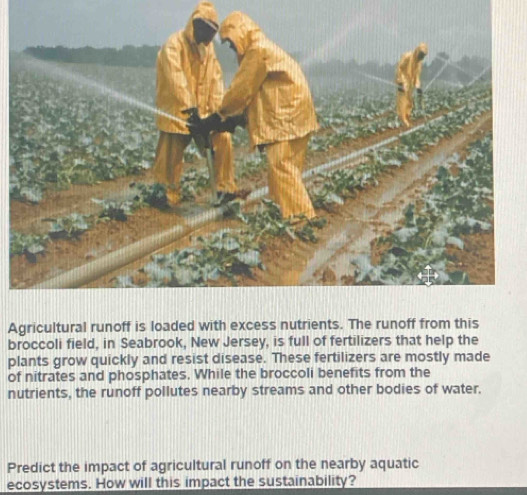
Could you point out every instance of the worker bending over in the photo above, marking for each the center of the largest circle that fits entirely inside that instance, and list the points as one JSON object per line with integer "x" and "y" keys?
{"x": 408, "y": 78}
{"x": 271, "y": 90}
{"x": 189, "y": 77}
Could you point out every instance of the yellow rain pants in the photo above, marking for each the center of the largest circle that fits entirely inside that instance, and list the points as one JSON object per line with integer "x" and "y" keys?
{"x": 168, "y": 164}
{"x": 405, "y": 105}
{"x": 286, "y": 161}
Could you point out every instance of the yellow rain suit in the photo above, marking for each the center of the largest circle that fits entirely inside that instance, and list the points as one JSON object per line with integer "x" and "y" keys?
{"x": 272, "y": 89}
{"x": 189, "y": 75}
{"x": 408, "y": 76}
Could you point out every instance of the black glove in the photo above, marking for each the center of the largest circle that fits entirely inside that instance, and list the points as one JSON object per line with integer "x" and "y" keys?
{"x": 419, "y": 92}
{"x": 199, "y": 127}
{"x": 230, "y": 123}
{"x": 209, "y": 124}
{"x": 194, "y": 120}
{"x": 400, "y": 88}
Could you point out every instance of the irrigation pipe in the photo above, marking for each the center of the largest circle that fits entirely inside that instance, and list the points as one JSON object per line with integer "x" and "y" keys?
{"x": 96, "y": 269}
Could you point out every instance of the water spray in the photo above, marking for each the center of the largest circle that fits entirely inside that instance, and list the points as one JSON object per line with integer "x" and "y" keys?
{"x": 455, "y": 66}
{"x": 481, "y": 74}
{"x": 333, "y": 43}
{"x": 375, "y": 78}
{"x": 439, "y": 72}
{"x": 56, "y": 71}
{"x": 447, "y": 62}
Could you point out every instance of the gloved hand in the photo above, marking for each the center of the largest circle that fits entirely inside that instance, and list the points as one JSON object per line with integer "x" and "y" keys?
{"x": 400, "y": 88}
{"x": 209, "y": 124}
{"x": 419, "y": 92}
{"x": 194, "y": 120}
{"x": 230, "y": 123}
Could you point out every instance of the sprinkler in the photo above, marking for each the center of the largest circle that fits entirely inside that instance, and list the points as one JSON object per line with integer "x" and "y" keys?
{"x": 375, "y": 78}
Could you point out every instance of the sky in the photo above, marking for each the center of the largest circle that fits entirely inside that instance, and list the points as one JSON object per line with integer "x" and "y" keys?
{"x": 321, "y": 30}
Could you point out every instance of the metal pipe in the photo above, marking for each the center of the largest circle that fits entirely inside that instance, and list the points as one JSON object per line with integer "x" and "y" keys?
{"x": 89, "y": 272}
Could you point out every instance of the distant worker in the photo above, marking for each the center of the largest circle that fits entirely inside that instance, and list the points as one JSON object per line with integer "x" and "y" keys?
{"x": 408, "y": 78}
{"x": 272, "y": 91}
{"x": 189, "y": 77}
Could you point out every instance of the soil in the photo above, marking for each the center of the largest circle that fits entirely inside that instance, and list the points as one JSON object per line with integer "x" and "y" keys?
{"x": 477, "y": 259}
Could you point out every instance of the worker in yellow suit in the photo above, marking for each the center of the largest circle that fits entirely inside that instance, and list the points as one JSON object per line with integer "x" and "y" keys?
{"x": 271, "y": 90}
{"x": 408, "y": 78}
{"x": 189, "y": 76}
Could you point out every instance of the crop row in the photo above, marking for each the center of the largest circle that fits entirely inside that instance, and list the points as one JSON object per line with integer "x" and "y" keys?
{"x": 227, "y": 253}
{"x": 458, "y": 204}
{"x": 345, "y": 129}
{"x": 329, "y": 190}
{"x": 334, "y": 187}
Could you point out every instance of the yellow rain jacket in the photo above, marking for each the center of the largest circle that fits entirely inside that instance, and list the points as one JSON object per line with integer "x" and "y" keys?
{"x": 188, "y": 74}
{"x": 409, "y": 68}
{"x": 408, "y": 76}
{"x": 269, "y": 85}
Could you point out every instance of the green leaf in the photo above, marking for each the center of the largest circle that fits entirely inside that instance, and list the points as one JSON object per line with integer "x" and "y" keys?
{"x": 405, "y": 234}
{"x": 363, "y": 265}
{"x": 455, "y": 241}
{"x": 249, "y": 258}
{"x": 459, "y": 278}
{"x": 124, "y": 282}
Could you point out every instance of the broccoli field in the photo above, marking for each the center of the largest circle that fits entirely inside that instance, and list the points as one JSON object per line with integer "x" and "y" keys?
{"x": 394, "y": 203}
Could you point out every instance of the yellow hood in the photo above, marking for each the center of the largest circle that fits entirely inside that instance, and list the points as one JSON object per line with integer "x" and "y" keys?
{"x": 241, "y": 30}
{"x": 205, "y": 11}
{"x": 408, "y": 73}
{"x": 269, "y": 86}
{"x": 422, "y": 48}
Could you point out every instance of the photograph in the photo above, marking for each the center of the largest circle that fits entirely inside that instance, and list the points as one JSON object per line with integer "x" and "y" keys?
{"x": 191, "y": 143}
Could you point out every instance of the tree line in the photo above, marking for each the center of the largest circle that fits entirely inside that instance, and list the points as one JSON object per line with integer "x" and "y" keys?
{"x": 145, "y": 56}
